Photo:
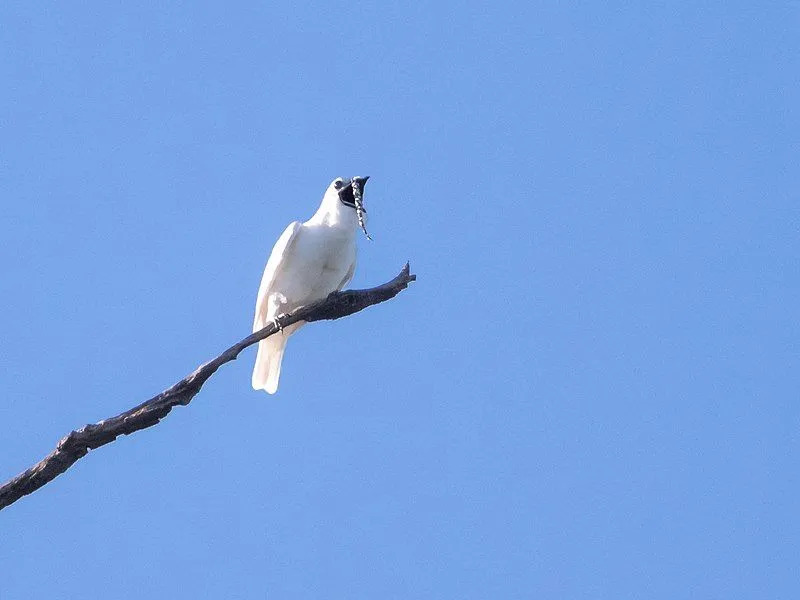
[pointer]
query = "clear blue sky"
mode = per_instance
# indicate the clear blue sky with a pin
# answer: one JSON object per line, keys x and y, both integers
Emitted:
{"x": 591, "y": 391}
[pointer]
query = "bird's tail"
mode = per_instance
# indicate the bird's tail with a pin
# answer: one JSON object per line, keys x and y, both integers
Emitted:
{"x": 267, "y": 370}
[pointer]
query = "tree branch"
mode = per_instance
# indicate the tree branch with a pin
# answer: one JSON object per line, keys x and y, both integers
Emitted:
{"x": 77, "y": 444}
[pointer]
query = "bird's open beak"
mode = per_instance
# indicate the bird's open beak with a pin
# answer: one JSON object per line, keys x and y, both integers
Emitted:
{"x": 347, "y": 194}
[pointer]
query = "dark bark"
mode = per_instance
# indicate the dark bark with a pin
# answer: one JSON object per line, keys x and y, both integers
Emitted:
{"x": 78, "y": 443}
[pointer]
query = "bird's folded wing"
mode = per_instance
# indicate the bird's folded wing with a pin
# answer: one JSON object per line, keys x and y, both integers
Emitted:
{"x": 277, "y": 260}
{"x": 348, "y": 276}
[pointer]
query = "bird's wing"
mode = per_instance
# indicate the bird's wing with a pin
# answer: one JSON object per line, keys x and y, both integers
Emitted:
{"x": 282, "y": 249}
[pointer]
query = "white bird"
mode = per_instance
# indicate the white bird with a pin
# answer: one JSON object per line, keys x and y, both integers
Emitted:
{"x": 309, "y": 261}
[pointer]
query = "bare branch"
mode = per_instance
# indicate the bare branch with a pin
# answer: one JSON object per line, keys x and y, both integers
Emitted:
{"x": 78, "y": 443}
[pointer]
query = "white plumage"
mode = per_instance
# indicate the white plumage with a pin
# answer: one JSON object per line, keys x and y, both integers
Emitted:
{"x": 309, "y": 261}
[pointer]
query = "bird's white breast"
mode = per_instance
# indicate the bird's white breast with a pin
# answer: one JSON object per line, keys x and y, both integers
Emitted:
{"x": 321, "y": 258}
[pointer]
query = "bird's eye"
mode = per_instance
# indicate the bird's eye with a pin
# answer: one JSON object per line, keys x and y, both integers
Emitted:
{"x": 338, "y": 184}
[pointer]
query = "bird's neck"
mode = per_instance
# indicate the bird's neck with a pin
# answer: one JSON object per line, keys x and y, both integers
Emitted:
{"x": 334, "y": 214}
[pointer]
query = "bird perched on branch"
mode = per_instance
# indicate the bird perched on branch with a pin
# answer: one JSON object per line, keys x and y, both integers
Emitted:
{"x": 309, "y": 261}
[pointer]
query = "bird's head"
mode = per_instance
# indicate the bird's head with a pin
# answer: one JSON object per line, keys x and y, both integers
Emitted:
{"x": 343, "y": 189}
{"x": 350, "y": 193}
{"x": 342, "y": 195}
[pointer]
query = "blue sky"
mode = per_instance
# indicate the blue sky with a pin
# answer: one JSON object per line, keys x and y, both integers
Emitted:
{"x": 590, "y": 392}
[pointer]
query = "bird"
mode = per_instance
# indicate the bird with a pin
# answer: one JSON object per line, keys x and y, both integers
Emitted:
{"x": 309, "y": 261}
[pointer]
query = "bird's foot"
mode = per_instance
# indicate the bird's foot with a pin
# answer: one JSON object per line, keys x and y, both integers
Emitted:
{"x": 277, "y": 322}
